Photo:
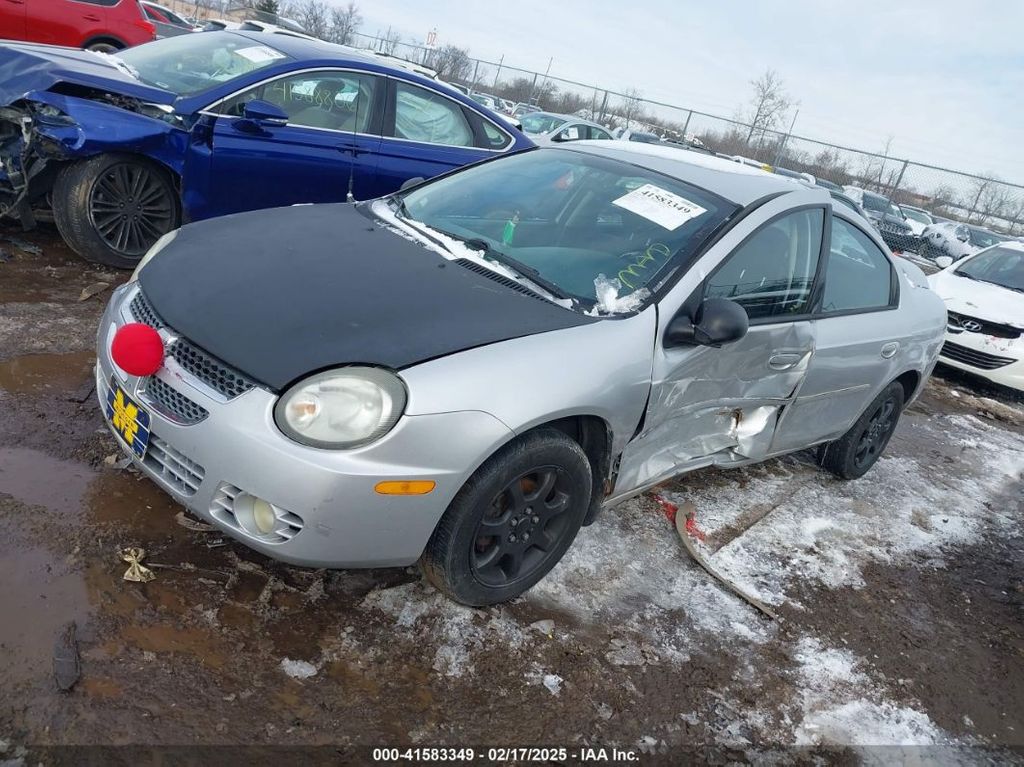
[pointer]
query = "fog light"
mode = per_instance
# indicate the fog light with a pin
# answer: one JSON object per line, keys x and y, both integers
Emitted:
{"x": 263, "y": 516}
{"x": 254, "y": 515}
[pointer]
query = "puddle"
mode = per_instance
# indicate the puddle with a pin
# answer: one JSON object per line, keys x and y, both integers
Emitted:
{"x": 132, "y": 500}
{"x": 38, "y": 479}
{"x": 44, "y": 373}
{"x": 39, "y": 585}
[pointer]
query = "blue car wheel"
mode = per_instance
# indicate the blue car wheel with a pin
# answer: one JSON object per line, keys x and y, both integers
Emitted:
{"x": 111, "y": 208}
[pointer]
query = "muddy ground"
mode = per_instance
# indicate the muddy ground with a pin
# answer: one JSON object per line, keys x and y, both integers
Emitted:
{"x": 901, "y": 597}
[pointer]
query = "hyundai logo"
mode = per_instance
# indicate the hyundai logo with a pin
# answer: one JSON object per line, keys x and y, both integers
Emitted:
{"x": 970, "y": 325}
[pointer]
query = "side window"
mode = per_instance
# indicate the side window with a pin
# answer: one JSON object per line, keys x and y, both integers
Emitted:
{"x": 771, "y": 274}
{"x": 494, "y": 137}
{"x": 859, "y": 276}
{"x": 424, "y": 116}
{"x": 598, "y": 133}
{"x": 341, "y": 101}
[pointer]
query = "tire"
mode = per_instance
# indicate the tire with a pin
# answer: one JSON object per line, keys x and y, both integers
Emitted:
{"x": 850, "y": 456}
{"x": 104, "y": 46}
{"x": 87, "y": 199}
{"x": 472, "y": 555}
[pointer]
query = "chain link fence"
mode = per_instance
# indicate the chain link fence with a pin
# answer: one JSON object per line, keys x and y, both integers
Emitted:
{"x": 969, "y": 198}
{"x": 952, "y": 194}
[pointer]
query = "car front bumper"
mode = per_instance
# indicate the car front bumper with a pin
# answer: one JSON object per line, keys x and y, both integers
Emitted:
{"x": 328, "y": 512}
{"x": 1000, "y": 360}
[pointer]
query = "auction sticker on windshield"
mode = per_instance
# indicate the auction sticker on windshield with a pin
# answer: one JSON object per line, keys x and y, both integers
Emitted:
{"x": 259, "y": 54}
{"x": 661, "y": 206}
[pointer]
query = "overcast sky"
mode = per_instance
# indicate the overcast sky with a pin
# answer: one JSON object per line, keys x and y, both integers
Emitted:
{"x": 943, "y": 78}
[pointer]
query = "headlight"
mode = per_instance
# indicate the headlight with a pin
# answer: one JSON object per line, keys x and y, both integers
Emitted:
{"x": 342, "y": 408}
{"x": 159, "y": 245}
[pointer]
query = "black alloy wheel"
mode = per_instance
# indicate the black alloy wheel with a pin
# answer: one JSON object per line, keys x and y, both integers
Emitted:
{"x": 130, "y": 208}
{"x": 521, "y": 527}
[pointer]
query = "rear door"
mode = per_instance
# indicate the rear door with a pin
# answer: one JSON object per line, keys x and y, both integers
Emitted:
{"x": 858, "y": 347}
{"x": 328, "y": 146}
{"x": 66, "y": 22}
{"x": 721, "y": 405}
{"x": 427, "y": 133}
{"x": 12, "y": 19}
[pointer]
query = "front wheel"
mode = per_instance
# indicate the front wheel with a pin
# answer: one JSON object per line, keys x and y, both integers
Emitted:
{"x": 512, "y": 521}
{"x": 112, "y": 208}
{"x": 850, "y": 456}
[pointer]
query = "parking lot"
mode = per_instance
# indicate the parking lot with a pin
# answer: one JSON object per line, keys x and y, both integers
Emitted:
{"x": 899, "y": 595}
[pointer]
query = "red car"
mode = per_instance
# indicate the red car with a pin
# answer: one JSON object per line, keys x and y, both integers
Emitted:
{"x": 98, "y": 25}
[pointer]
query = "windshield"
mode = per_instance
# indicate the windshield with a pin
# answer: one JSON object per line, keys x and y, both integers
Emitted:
{"x": 188, "y": 64}
{"x": 916, "y": 215}
{"x": 999, "y": 266}
{"x": 541, "y": 123}
{"x": 874, "y": 202}
{"x": 982, "y": 238}
{"x": 572, "y": 218}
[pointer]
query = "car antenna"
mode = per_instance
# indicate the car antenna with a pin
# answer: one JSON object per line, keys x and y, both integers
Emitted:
{"x": 355, "y": 150}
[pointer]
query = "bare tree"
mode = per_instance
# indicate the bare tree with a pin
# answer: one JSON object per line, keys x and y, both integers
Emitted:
{"x": 451, "y": 63}
{"x": 345, "y": 23}
{"x": 313, "y": 16}
{"x": 631, "y": 103}
{"x": 769, "y": 105}
{"x": 267, "y": 6}
{"x": 389, "y": 42}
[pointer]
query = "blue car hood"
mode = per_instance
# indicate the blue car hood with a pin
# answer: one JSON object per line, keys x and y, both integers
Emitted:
{"x": 28, "y": 68}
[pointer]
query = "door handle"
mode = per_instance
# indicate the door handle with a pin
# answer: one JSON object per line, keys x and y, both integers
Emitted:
{"x": 353, "y": 148}
{"x": 890, "y": 349}
{"x": 91, "y": 17}
{"x": 784, "y": 361}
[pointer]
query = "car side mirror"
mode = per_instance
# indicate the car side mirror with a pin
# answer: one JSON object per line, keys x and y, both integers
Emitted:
{"x": 963, "y": 237}
{"x": 718, "y": 321}
{"x": 943, "y": 262}
{"x": 264, "y": 113}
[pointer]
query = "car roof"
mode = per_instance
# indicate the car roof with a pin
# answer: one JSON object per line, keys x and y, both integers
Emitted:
{"x": 734, "y": 181}
{"x": 568, "y": 118}
{"x": 304, "y": 47}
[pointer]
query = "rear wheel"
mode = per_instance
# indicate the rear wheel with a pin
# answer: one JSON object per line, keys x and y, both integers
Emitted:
{"x": 850, "y": 456}
{"x": 512, "y": 521}
{"x": 103, "y": 46}
{"x": 111, "y": 208}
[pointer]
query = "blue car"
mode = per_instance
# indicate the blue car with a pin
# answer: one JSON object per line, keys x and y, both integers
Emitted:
{"x": 125, "y": 148}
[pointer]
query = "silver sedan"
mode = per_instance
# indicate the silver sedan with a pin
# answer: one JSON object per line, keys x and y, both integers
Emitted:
{"x": 549, "y": 127}
{"x": 468, "y": 371}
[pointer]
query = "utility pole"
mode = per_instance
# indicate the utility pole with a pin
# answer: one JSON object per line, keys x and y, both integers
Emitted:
{"x": 498, "y": 73}
{"x": 785, "y": 139}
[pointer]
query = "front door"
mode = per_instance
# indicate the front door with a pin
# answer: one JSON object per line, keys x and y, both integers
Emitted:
{"x": 328, "y": 146}
{"x": 721, "y": 405}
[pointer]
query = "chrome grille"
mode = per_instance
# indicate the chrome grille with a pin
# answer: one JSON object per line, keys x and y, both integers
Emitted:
{"x": 960, "y": 322}
{"x": 209, "y": 369}
{"x": 143, "y": 312}
{"x": 203, "y": 365}
{"x": 171, "y": 403}
{"x": 173, "y": 467}
{"x": 222, "y": 509}
{"x": 973, "y": 357}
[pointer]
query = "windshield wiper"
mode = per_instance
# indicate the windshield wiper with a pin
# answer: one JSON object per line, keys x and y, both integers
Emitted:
{"x": 489, "y": 251}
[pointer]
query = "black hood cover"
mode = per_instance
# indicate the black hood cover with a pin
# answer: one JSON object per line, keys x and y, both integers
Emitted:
{"x": 286, "y": 292}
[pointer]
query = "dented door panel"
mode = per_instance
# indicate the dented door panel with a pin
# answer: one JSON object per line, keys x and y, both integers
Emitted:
{"x": 716, "y": 405}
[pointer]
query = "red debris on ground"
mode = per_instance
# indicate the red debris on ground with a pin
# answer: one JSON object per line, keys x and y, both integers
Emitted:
{"x": 670, "y": 510}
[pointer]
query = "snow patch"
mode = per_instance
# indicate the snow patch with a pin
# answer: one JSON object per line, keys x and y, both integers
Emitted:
{"x": 298, "y": 669}
{"x": 841, "y": 706}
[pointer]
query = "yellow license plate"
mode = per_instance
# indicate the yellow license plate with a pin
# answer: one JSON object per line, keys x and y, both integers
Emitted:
{"x": 129, "y": 420}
